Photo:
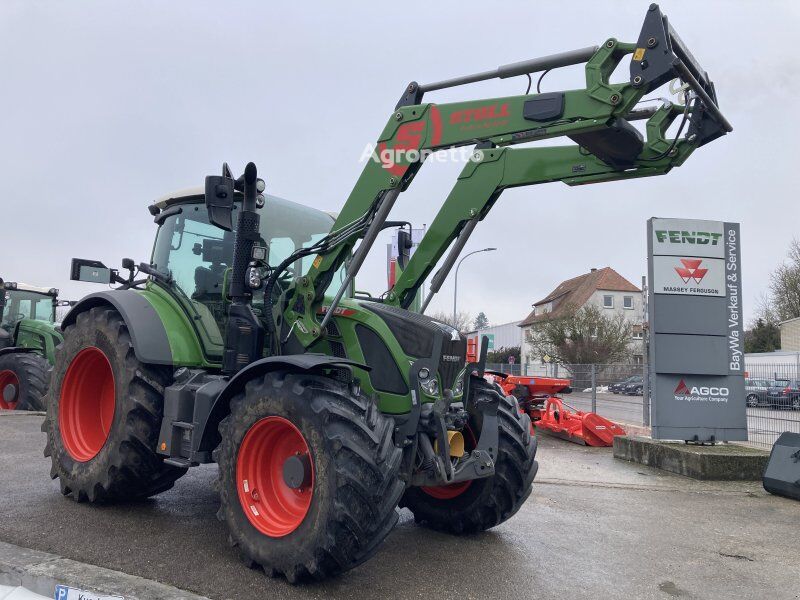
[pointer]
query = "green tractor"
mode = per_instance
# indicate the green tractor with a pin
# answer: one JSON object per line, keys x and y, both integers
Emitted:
{"x": 28, "y": 337}
{"x": 243, "y": 343}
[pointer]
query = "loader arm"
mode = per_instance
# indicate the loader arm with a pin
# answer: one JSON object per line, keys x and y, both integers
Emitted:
{"x": 594, "y": 117}
{"x": 492, "y": 170}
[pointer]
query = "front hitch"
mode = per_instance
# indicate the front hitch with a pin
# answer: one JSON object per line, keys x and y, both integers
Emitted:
{"x": 480, "y": 462}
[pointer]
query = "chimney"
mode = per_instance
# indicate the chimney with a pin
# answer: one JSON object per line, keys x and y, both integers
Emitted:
{"x": 592, "y": 270}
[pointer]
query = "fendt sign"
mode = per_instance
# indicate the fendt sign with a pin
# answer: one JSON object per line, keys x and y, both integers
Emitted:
{"x": 696, "y": 334}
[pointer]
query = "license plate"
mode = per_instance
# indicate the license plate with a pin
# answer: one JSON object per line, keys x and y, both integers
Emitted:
{"x": 64, "y": 592}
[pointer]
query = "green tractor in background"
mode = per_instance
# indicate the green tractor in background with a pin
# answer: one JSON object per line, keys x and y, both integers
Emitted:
{"x": 243, "y": 343}
{"x": 28, "y": 337}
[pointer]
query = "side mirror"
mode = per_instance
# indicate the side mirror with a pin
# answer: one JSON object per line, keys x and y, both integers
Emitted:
{"x": 219, "y": 199}
{"x": 404, "y": 245}
{"x": 92, "y": 271}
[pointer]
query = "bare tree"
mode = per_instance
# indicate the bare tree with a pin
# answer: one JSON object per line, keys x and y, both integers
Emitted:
{"x": 582, "y": 336}
{"x": 463, "y": 321}
{"x": 784, "y": 285}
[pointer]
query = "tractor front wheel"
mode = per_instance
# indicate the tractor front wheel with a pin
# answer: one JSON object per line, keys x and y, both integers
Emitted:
{"x": 23, "y": 381}
{"x": 104, "y": 410}
{"x": 480, "y": 504}
{"x": 308, "y": 475}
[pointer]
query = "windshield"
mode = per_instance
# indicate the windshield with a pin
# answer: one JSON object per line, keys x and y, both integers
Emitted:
{"x": 26, "y": 305}
{"x": 199, "y": 255}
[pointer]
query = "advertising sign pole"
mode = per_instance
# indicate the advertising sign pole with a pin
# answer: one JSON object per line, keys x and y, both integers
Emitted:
{"x": 696, "y": 334}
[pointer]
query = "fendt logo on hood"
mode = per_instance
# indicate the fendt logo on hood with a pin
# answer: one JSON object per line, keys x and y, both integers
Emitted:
{"x": 691, "y": 270}
{"x": 701, "y": 393}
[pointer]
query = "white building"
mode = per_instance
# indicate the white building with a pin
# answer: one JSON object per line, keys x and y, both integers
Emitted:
{"x": 507, "y": 335}
{"x": 790, "y": 334}
{"x": 604, "y": 288}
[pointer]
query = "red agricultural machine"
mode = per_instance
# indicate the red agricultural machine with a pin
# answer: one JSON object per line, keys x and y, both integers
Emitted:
{"x": 549, "y": 413}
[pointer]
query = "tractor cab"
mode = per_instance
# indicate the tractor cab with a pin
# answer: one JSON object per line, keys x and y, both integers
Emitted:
{"x": 22, "y": 301}
{"x": 198, "y": 256}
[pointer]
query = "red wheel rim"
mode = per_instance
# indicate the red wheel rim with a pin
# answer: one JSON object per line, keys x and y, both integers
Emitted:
{"x": 271, "y": 506}
{"x": 9, "y": 378}
{"x": 86, "y": 404}
{"x": 448, "y": 492}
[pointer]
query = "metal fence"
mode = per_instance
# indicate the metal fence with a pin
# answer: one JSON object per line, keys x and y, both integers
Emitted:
{"x": 773, "y": 401}
{"x": 772, "y": 391}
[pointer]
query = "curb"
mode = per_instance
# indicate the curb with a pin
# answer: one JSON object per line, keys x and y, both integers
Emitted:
{"x": 40, "y": 572}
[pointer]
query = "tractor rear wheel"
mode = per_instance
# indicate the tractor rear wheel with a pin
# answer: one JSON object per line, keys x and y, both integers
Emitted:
{"x": 308, "y": 475}
{"x": 481, "y": 504}
{"x": 23, "y": 381}
{"x": 104, "y": 412}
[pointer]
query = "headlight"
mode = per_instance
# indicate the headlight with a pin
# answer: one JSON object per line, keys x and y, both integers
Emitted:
{"x": 428, "y": 384}
{"x": 253, "y": 278}
{"x": 458, "y": 386}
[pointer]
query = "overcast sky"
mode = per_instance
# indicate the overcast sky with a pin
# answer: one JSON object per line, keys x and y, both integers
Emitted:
{"x": 106, "y": 106}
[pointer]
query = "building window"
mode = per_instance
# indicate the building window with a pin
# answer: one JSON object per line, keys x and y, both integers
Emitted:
{"x": 627, "y": 302}
{"x": 638, "y": 359}
{"x": 638, "y": 335}
{"x": 608, "y": 301}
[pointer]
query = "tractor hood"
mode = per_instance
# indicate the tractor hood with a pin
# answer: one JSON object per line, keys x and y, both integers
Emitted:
{"x": 422, "y": 337}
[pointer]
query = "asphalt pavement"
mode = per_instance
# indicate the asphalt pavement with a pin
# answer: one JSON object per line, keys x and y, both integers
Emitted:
{"x": 593, "y": 528}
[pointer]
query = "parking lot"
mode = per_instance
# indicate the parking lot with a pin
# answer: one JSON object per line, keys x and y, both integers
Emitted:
{"x": 594, "y": 527}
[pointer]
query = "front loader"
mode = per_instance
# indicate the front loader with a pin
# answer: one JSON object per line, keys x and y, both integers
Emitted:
{"x": 28, "y": 337}
{"x": 242, "y": 342}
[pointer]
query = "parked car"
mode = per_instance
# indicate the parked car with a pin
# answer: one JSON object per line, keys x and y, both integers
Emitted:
{"x": 784, "y": 393}
{"x": 756, "y": 391}
{"x": 619, "y": 387}
{"x": 634, "y": 389}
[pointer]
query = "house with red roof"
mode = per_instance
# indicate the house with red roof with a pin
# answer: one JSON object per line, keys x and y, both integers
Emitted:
{"x": 604, "y": 288}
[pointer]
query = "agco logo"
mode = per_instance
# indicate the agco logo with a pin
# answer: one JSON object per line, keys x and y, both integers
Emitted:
{"x": 703, "y": 393}
{"x": 481, "y": 113}
{"x": 701, "y": 238}
{"x": 691, "y": 270}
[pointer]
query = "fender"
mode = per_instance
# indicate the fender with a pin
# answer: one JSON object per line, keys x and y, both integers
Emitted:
{"x": 149, "y": 337}
{"x": 305, "y": 363}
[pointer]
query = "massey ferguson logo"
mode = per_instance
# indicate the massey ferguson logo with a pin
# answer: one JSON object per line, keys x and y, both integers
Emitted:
{"x": 691, "y": 270}
{"x": 701, "y": 393}
{"x": 482, "y": 113}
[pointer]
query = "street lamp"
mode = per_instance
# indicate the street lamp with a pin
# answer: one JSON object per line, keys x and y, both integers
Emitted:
{"x": 455, "y": 290}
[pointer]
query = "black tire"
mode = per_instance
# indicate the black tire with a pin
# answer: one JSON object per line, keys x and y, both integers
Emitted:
{"x": 795, "y": 403}
{"x": 127, "y": 466}
{"x": 356, "y": 486}
{"x": 32, "y": 372}
{"x": 489, "y": 501}
{"x": 752, "y": 400}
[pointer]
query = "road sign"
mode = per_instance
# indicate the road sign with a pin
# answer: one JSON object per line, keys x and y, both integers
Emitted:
{"x": 696, "y": 334}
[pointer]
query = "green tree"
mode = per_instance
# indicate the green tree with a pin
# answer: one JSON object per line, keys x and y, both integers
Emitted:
{"x": 582, "y": 336}
{"x": 481, "y": 321}
{"x": 501, "y": 355}
{"x": 763, "y": 336}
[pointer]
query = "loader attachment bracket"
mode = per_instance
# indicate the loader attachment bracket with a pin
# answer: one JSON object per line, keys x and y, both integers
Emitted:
{"x": 661, "y": 56}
